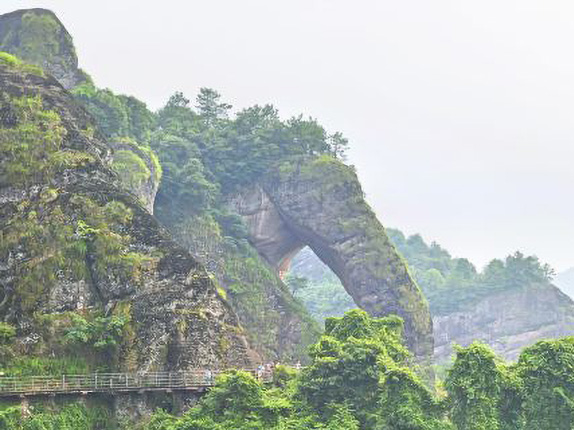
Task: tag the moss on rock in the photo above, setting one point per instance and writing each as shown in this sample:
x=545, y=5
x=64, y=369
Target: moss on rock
x=38, y=37
x=75, y=246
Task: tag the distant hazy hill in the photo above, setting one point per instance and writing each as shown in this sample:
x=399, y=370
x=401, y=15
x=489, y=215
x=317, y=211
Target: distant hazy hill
x=565, y=281
x=509, y=305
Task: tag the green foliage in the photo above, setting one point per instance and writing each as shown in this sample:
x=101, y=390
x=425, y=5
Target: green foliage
x=39, y=40
x=210, y=107
x=204, y=152
x=358, y=379
x=34, y=366
x=100, y=332
x=535, y=393
x=71, y=417
x=250, y=284
x=50, y=246
x=296, y=283
x=452, y=284
x=116, y=115
x=9, y=60
x=406, y=404
x=7, y=332
x=15, y=63
x=359, y=362
x=103, y=233
x=546, y=370
x=236, y=397
x=10, y=419
x=57, y=237
x=27, y=149
x=474, y=387
x=132, y=169
x=325, y=299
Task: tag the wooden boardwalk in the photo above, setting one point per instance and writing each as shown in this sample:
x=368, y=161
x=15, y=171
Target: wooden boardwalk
x=195, y=380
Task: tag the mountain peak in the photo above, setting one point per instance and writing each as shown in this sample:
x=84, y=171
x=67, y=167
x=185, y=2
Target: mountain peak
x=38, y=37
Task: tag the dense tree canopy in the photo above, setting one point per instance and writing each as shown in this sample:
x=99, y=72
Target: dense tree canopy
x=360, y=378
x=453, y=283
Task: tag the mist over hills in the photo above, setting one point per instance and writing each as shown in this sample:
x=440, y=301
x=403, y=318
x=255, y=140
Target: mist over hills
x=565, y=281
x=511, y=304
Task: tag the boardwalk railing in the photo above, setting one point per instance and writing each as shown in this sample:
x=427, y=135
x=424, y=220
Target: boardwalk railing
x=112, y=382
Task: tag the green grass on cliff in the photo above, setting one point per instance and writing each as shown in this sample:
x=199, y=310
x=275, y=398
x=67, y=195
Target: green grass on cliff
x=251, y=286
x=59, y=238
x=15, y=63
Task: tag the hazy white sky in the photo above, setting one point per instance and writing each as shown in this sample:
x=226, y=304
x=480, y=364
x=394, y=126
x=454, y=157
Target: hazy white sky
x=460, y=113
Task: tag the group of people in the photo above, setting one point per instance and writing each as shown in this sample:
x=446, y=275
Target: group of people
x=268, y=369
x=264, y=371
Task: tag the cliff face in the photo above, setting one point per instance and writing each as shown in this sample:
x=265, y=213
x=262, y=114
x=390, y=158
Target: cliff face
x=277, y=326
x=508, y=321
x=38, y=37
x=139, y=171
x=74, y=243
x=319, y=203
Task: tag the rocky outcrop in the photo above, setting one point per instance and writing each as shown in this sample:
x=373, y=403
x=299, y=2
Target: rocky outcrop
x=268, y=232
x=277, y=325
x=73, y=241
x=283, y=213
x=139, y=170
x=38, y=37
x=319, y=203
x=508, y=321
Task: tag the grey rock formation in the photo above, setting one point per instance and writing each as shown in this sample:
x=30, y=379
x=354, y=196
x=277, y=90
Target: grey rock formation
x=320, y=203
x=139, y=171
x=178, y=319
x=508, y=321
x=268, y=232
x=38, y=37
x=277, y=326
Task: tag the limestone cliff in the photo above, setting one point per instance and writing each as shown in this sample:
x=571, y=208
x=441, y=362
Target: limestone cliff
x=139, y=170
x=508, y=321
x=319, y=203
x=74, y=244
x=38, y=37
x=276, y=324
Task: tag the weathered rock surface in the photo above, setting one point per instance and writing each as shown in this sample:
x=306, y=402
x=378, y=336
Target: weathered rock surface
x=508, y=321
x=178, y=320
x=138, y=169
x=320, y=203
x=268, y=232
x=277, y=326
x=283, y=213
x=38, y=37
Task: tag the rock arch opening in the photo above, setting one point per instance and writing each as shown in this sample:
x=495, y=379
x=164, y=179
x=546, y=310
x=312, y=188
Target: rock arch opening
x=317, y=286
x=321, y=205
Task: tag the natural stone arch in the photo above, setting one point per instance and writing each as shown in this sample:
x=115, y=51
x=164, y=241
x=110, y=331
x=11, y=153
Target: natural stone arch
x=320, y=203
